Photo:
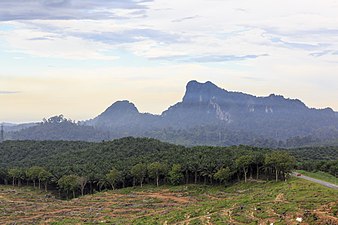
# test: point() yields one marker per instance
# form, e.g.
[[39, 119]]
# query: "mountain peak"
[[196, 90], [123, 106], [196, 84]]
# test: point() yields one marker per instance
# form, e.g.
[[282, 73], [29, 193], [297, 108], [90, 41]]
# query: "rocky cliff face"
[[211, 115], [273, 116], [205, 104]]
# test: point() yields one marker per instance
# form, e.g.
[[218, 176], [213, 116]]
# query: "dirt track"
[[324, 183]]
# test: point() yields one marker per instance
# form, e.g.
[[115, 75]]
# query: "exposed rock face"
[[205, 104], [208, 114]]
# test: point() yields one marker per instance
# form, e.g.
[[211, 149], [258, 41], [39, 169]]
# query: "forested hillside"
[[59, 128], [131, 161]]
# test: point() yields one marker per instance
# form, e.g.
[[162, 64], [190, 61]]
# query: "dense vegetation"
[[330, 166], [87, 167], [61, 128], [324, 159], [83, 167], [315, 153]]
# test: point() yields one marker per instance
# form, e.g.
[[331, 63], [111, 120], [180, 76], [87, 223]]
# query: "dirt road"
[[324, 183]]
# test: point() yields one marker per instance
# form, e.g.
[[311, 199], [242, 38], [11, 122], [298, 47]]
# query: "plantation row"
[[277, 164], [330, 167], [83, 167]]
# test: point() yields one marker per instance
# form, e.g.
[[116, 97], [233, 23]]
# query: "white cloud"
[[213, 28], [53, 45], [70, 9], [213, 40]]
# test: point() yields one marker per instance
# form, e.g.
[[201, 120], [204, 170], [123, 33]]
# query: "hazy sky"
[[77, 57]]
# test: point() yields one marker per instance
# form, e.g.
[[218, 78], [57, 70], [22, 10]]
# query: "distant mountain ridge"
[[209, 115], [11, 127]]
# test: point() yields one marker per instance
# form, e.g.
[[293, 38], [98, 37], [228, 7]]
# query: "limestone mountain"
[[209, 115], [123, 119], [273, 116]]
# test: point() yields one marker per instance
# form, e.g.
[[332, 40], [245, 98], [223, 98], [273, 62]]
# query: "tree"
[[44, 176], [281, 162], [258, 159], [244, 162], [33, 174], [208, 167], [194, 164], [223, 174], [15, 174], [4, 175], [155, 170], [103, 183], [139, 172], [113, 177], [82, 181], [69, 183], [175, 174]]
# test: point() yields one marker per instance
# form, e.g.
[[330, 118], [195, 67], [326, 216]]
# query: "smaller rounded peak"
[[275, 96], [327, 109], [123, 102], [123, 105], [209, 82], [195, 90], [194, 83]]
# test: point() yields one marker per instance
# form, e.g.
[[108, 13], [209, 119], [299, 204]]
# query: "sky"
[[77, 57]]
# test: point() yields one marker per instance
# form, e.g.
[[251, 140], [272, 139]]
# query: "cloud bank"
[[258, 47], [67, 9]]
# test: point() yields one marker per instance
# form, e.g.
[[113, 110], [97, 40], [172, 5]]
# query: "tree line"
[[330, 166], [78, 168], [61, 128]]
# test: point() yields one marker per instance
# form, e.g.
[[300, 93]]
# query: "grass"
[[242, 203], [320, 176]]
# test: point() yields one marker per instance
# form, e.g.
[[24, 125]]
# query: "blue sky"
[[77, 57]]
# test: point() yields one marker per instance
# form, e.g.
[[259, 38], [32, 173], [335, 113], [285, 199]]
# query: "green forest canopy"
[[117, 163]]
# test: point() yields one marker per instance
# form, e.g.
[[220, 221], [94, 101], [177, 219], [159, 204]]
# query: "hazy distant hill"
[[10, 127], [209, 115], [123, 119], [59, 128]]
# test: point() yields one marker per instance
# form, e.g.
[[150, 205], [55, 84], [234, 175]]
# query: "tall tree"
[[4, 175], [139, 172], [281, 161], [175, 174], [33, 174], [155, 170], [69, 183], [113, 177], [15, 174], [82, 181], [244, 162], [45, 176], [258, 159], [223, 174]]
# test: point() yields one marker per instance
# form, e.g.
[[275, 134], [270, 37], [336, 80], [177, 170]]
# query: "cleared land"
[[251, 203]]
